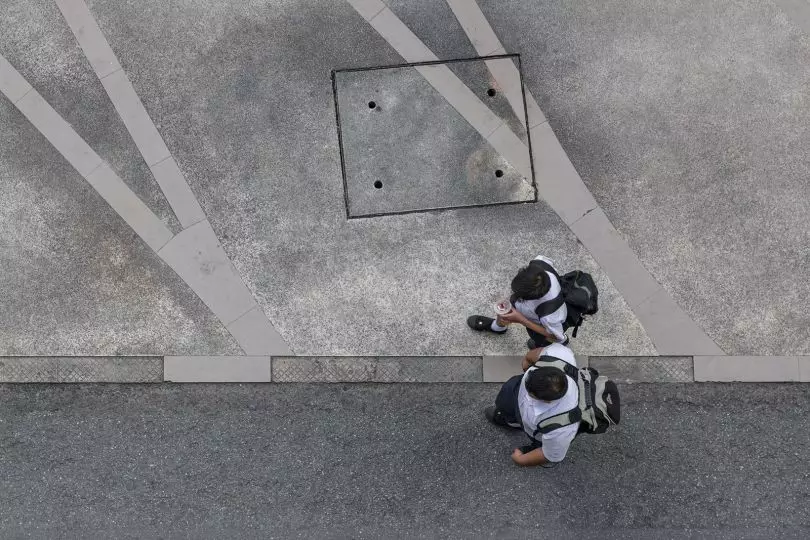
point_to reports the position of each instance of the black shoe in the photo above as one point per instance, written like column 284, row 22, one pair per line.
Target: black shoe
column 479, row 323
column 497, row 417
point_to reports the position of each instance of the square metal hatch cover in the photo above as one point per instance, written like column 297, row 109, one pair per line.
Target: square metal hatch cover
column 405, row 149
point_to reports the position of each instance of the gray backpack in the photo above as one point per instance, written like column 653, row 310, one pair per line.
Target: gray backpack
column 598, row 406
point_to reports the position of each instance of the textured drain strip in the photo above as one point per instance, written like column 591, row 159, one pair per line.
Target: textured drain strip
column 81, row 369
column 656, row 369
column 378, row 369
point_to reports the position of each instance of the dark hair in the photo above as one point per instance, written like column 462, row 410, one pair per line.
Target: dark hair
column 530, row 283
column 547, row 383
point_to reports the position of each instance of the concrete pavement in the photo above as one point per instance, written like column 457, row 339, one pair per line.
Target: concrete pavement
column 240, row 95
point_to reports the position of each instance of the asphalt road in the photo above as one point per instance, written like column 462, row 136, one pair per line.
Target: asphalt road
column 394, row 461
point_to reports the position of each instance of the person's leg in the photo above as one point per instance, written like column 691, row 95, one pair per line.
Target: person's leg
column 479, row 323
column 506, row 412
column 536, row 340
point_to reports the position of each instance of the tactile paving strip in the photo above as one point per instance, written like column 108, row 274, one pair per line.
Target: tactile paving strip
column 88, row 369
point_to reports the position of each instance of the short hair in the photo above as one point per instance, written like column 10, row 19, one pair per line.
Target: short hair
column 530, row 283
column 547, row 383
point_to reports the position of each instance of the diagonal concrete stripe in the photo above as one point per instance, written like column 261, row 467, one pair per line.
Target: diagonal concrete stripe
column 132, row 112
column 486, row 43
column 12, row 84
column 195, row 254
column 82, row 158
column 798, row 11
column 198, row 258
column 566, row 193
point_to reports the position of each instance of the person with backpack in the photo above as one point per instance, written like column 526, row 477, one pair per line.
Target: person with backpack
column 553, row 402
column 546, row 304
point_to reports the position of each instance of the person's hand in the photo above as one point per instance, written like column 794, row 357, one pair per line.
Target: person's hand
column 514, row 316
column 517, row 457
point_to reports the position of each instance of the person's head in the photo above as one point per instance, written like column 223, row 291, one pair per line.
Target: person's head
column 530, row 283
column 546, row 383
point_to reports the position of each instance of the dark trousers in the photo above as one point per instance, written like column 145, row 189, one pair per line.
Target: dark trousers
column 539, row 339
column 507, row 400
column 507, row 403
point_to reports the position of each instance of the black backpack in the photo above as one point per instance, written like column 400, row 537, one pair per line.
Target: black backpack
column 599, row 406
column 579, row 294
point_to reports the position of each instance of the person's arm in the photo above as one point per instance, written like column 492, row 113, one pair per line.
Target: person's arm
column 531, row 357
column 529, row 459
column 517, row 317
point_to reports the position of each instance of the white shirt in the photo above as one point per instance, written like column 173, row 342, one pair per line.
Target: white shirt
column 532, row 411
column 553, row 322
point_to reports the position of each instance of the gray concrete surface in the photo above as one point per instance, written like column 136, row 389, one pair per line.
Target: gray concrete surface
column 243, row 98
column 74, row 278
column 688, row 124
column 370, row 461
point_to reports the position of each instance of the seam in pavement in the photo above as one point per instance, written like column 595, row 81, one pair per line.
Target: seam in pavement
column 195, row 254
column 577, row 207
column 388, row 369
column 222, row 289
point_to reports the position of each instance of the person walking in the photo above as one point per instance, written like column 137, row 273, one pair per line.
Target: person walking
column 537, row 304
column 541, row 393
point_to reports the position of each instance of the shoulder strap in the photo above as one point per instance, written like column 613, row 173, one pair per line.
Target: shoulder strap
column 569, row 417
column 549, row 306
column 545, row 266
column 559, row 363
column 560, row 420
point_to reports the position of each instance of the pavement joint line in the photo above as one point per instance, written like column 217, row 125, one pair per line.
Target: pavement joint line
column 159, row 162
column 23, row 96
column 111, row 73
column 375, row 15
column 388, row 368
column 483, row 36
column 172, row 183
column 248, row 310
column 488, row 135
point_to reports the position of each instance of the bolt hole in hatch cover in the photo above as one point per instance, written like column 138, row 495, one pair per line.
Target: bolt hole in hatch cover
column 418, row 146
